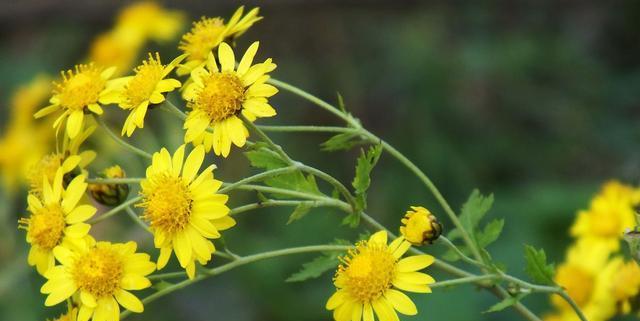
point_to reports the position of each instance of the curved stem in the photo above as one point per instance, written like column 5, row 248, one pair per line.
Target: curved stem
column 468, row 279
column 267, row 140
column 287, row 192
column 317, row 129
column 573, row 304
column 170, row 107
column 453, row 247
column 119, row 140
column 334, row 182
column 237, row 263
column 258, row 177
column 137, row 219
column 115, row 210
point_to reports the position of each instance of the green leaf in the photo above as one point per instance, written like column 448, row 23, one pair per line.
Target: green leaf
column 490, row 233
column 266, row 159
column 351, row 220
column 342, row 141
column 537, row 267
column 507, row 302
column 296, row 181
column 314, row 268
column 474, row 209
column 364, row 165
column 299, row 212
column 341, row 103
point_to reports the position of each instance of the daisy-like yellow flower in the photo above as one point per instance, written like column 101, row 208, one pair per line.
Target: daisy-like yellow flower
column 147, row 19
column 610, row 214
column 136, row 93
column 28, row 98
column 182, row 207
column 101, row 275
column 217, row 95
column 67, row 159
column 77, row 93
column 208, row 33
column 624, row 283
column 419, row 226
column 370, row 277
column 118, row 48
column 56, row 218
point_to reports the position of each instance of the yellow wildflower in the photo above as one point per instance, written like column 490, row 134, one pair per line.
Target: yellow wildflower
column 182, row 207
column 28, row 98
column 420, row 226
column 147, row 19
column 110, row 194
column 136, row 93
column 624, row 282
column 27, row 144
column 368, row 280
column 611, row 212
column 56, row 218
column 208, row 33
column 117, row 48
column 78, row 93
column 217, row 96
column 101, row 275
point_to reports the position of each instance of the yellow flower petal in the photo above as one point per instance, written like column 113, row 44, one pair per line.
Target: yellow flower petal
column 401, row 302
column 129, row 301
column 415, row 263
column 227, row 58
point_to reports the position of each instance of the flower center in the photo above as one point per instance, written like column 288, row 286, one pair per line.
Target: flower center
column 98, row 271
column 205, row 35
column 45, row 227
column 167, row 203
column 140, row 88
column 578, row 283
column 368, row 271
column 80, row 88
column 46, row 167
column 221, row 96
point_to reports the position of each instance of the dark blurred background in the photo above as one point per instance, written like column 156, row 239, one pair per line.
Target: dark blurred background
column 536, row 102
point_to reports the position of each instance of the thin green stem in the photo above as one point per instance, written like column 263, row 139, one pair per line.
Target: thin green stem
column 119, row 140
column 170, row 107
column 573, row 304
column 449, row 244
column 115, row 210
column 317, row 129
column 267, row 140
column 334, row 182
column 287, row 192
column 258, row 177
column 273, row 203
column 237, row 263
column 134, row 216
column 131, row 180
column 469, row 279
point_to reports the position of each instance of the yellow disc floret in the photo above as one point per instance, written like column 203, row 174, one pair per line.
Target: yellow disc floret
column 168, row 204
column 368, row 271
column 144, row 83
column 45, row 227
column 79, row 88
column 221, row 97
column 98, row 271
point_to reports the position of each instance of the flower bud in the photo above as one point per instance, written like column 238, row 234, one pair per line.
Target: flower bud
column 419, row 226
column 110, row 194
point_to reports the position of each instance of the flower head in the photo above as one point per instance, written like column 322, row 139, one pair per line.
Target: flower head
column 218, row 95
column 207, row 33
column 55, row 219
column 420, row 226
column 101, row 275
column 369, row 279
column 110, row 194
column 147, row 19
column 624, row 283
column 182, row 207
column 77, row 93
column 610, row 214
column 136, row 93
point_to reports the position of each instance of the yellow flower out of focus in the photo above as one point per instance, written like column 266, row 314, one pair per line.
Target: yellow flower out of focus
column 208, row 33
column 182, row 207
column 101, row 276
column 371, row 277
column 420, row 226
column 117, row 48
column 77, row 93
column 28, row 98
column 69, row 316
column 136, row 93
column 147, row 19
column 55, row 219
column 217, row 95
column 610, row 214
column 624, row 282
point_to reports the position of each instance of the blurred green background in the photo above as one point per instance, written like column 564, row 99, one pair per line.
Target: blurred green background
column 536, row 102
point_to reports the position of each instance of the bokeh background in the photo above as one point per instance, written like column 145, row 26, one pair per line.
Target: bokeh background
column 536, row 102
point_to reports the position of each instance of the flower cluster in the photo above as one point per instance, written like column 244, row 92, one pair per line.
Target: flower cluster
column 595, row 274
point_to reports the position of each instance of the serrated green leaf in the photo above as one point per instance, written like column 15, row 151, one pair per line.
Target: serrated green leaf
column 342, row 141
column 537, row 267
column 490, row 233
column 314, row 268
column 364, row 165
column 474, row 209
column 299, row 212
column 266, row 159
column 507, row 302
column 296, row 181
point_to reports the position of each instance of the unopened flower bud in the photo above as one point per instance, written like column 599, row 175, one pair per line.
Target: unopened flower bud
column 110, row 194
column 419, row 226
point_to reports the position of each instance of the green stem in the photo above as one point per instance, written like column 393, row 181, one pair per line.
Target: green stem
column 132, row 180
column 334, row 182
column 267, row 140
column 573, row 304
column 137, row 219
column 258, row 177
column 272, row 203
column 119, row 140
column 469, row 279
column 170, row 107
column 237, row 263
column 287, row 192
column 317, row 129
column 449, row 244
column 115, row 210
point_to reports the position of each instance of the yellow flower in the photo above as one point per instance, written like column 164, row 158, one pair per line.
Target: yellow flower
column 368, row 280
column 68, row 158
column 69, row 316
column 28, row 144
column 182, row 207
column 56, row 218
column 117, row 48
column 420, row 226
column 610, row 214
column 624, row 283
column 217, row 96
column 101, row 275
column 209, row 33
column 28, row 98
column 110, row 194
column 137, row 92
column 78, row 93
column 147, row 19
